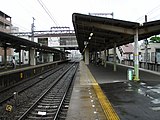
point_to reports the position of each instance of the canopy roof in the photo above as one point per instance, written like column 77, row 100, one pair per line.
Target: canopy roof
column 7, row 40
column 98, row 33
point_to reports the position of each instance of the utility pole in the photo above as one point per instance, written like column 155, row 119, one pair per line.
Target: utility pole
column 32, row 51
column 146, row 47
column 32, row 30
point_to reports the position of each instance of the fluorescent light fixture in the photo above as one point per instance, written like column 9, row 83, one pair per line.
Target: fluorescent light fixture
column 85, row 42
column 8, row 43
column 22, row 46
column 89, row 37
column 91, row 34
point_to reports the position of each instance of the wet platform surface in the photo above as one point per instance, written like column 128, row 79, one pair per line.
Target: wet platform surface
column 84, row 104
column 131, row 100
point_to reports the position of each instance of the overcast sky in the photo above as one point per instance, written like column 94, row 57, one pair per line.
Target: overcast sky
column 22, row 11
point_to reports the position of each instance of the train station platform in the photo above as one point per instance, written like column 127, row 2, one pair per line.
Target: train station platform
column 114, row 96
column 87, row 98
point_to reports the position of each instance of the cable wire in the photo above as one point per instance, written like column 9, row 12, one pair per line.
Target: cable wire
column 21, row 27
column 149, row 13
column 48, row 12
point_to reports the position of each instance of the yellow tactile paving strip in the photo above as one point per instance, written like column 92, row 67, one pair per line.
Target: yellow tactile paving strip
column 106, row 105
column 84, row 104
column 84, row 78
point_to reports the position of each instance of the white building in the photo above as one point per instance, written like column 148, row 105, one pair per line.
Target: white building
column 5, row 26
column 153, row 52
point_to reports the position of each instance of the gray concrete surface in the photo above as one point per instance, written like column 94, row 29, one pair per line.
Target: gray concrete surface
column 131, row 100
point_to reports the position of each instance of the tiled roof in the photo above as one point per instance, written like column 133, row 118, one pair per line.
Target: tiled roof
column 128, row 48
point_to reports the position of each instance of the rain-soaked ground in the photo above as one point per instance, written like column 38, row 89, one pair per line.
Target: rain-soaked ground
column 131, row 100
column 134, row 101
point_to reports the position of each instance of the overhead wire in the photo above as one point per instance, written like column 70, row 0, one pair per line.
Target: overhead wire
column 48, row 12
column 34, row 11
column 155, row 8
column 149, row 13
column 155, row 17
column 21, row 27
column 28, row 11
column 15, row 24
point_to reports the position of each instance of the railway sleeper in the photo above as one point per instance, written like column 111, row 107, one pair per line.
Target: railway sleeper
column 47, row 113
column 45, row 110
column 49, row 103
column 47, row 99
column 47, row 106
column 39, row 118
column 62, row 117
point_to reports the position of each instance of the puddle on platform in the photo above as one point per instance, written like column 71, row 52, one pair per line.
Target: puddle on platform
column 156, row 90
column 149, row 96
column 149, row 90
column 156, row 101
column 157, row 86
column 142, row 92
column 129, row 84
column 129, row 89
column 116, row 81
column 119, row 81
column 155, row 108
column 149, row 87
column 142, row 83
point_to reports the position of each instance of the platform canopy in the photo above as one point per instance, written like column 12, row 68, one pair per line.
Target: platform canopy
column 98, row 33
column 7, row 40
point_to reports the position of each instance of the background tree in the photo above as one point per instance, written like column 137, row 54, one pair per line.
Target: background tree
column 155, row 39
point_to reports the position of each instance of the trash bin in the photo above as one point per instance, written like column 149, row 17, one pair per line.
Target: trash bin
column 130, row 74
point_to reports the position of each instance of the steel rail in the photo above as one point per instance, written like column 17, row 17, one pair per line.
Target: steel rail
column 22, row 90
column 23, row 116
column 61, row 103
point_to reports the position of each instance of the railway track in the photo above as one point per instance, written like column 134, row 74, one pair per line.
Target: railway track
column 27, row 91
column 8, row 93
column 53, row 101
